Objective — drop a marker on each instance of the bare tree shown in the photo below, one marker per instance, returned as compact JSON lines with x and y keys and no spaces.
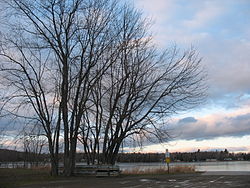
{"x":56,"y":53}
{"x":33,"y":143}
{"x":26,"y":71}
{"x":90,"y":67}
{"x":139,"y":92}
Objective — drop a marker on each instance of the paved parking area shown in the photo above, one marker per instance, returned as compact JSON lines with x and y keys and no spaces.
{"x":154,"y":181}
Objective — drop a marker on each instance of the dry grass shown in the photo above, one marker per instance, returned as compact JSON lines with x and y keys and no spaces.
{"x":44,"y":168}
{"x":160,"y":170}
{"x":15,"y":177}
{"x":182,"y":169}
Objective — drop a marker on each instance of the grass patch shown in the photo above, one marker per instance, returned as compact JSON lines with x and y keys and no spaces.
{"x":160,"y":170}
{"x":19,"y":176}
{"x":15,"y":177}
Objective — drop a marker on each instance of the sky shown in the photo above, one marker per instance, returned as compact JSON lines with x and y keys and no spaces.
{"x":220,"y":31}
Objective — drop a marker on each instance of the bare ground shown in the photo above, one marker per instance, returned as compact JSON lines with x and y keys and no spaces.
{"x":196,"y":180}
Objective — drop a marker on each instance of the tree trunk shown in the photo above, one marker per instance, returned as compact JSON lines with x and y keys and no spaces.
{"x":73,"y":155}
{"x":67,"y":166}
{"x":54,"y":166}
{"x":69,"y":160}
{"x":115,"y":153}
{"x":53,"y":158}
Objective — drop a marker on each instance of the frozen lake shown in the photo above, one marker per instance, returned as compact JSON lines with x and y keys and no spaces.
{"x":199,"y":166}
{"x":243,"y":166}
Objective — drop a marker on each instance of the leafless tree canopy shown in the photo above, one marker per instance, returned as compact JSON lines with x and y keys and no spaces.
{"x":89,"y":71}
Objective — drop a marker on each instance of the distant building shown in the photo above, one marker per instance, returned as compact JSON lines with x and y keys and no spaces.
{"x":211,"y":160}
{"x":240,"y":159}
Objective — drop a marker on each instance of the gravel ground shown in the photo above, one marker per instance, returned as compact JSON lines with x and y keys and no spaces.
{"x":198,"y":180}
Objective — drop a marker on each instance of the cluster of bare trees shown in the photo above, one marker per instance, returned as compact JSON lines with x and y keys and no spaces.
{"x":88,"y":71}
{"x":33,"y":144}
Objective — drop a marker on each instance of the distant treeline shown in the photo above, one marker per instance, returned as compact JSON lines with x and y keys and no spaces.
{"x":208,"y":156}
{"x":13,"y":156}
{"x":183,"y":156}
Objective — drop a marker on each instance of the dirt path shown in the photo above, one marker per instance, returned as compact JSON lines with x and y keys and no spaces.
{"x":153,"y":181}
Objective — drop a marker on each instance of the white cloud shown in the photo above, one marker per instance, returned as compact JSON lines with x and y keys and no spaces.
{"x":228,"y":65}
{"x":220,"y":31}
{"x":218,"y":124}
{"x":229,"y":143}
{"x":160,"y":10}
{"x":206,"y":13}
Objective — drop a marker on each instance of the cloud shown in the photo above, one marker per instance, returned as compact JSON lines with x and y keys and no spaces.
{"x":188,"y":120}
{"x":212,"y":126}
{"x":160,"y":10}
{"x":205,"y":13}
{"x":219,"y":30}
{"x":219,"y":144}
{"x":228,"y":65}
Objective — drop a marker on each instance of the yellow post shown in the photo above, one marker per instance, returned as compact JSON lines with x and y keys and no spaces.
{"x":167,"y":156}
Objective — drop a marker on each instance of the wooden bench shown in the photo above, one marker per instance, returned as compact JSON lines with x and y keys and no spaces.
{"x":95,"y":170}
{"x":107,"y":170}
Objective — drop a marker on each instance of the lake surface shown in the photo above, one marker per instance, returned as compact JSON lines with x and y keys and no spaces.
{"x":199,"y":166}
